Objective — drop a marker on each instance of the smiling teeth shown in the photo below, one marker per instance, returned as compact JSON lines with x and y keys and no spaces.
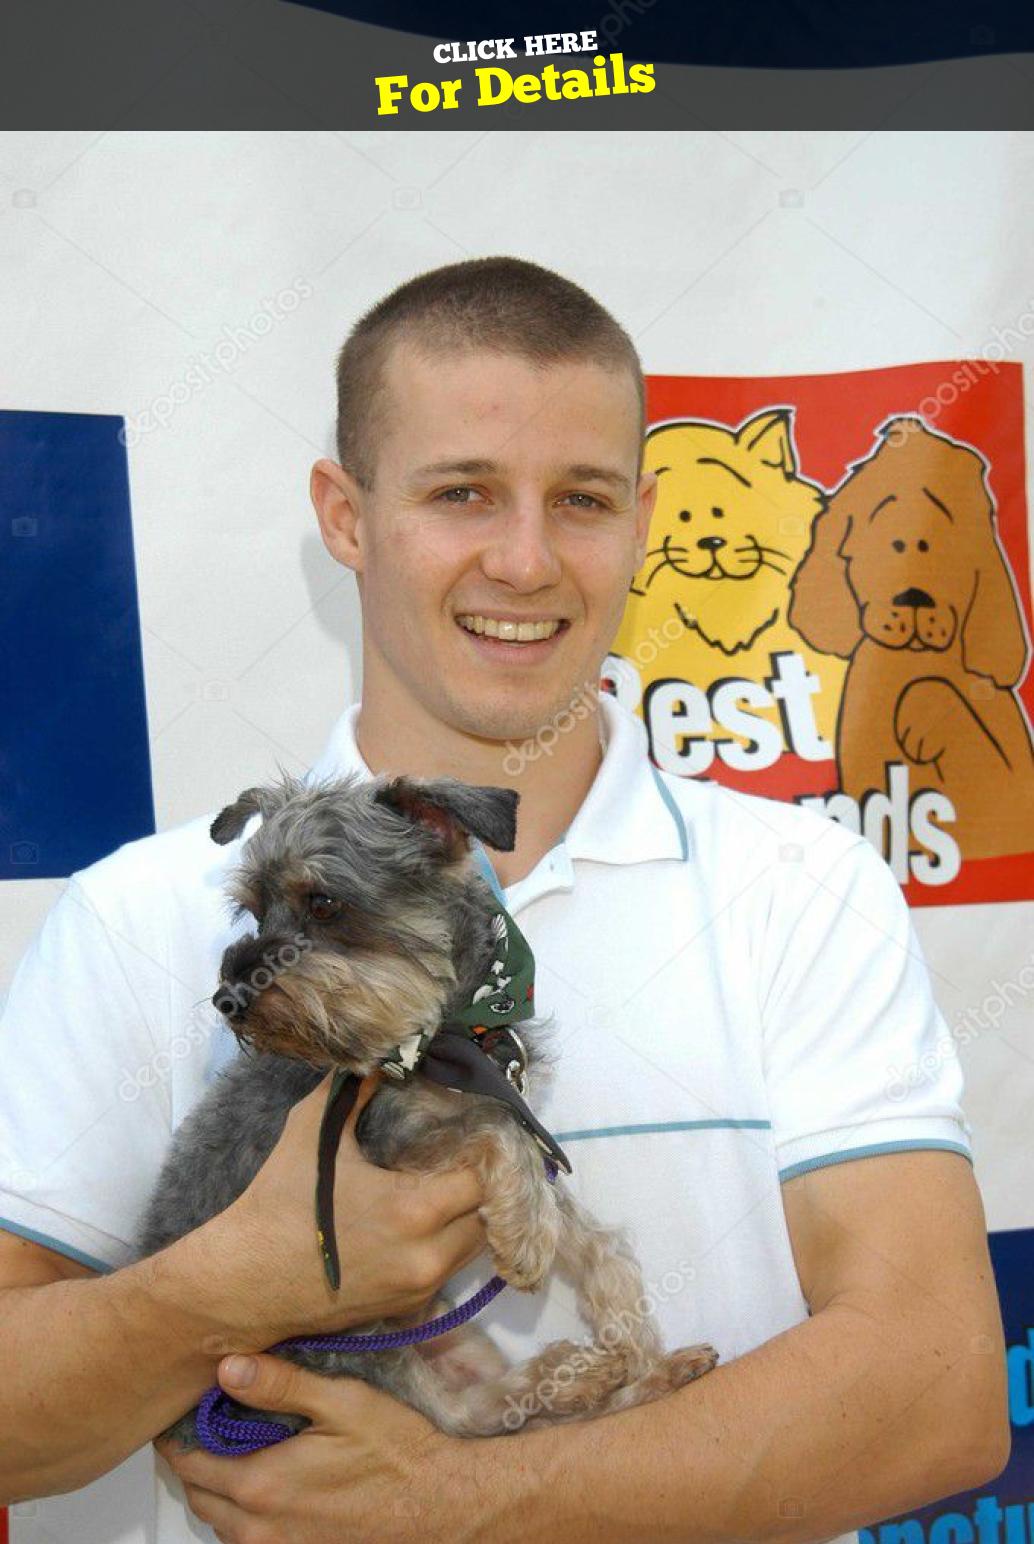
{"x":511,"y":632}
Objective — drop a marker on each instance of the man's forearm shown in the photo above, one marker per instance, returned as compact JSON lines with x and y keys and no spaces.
{"x":94,"y":1368}
{"x":831,"y":1425}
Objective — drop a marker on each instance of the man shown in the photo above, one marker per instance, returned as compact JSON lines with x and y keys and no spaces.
{"x":734,"y":982}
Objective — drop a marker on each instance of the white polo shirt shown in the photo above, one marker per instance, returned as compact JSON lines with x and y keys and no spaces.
{"x":739,"y":996}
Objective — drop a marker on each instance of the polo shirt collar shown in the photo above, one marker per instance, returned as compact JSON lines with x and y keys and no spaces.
{"x":628,"y":815}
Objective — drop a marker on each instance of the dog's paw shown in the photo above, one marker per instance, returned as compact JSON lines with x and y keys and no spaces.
{"x":526,"y":1270}
{"x":688,"y":1363}
{"x":923,"y":720}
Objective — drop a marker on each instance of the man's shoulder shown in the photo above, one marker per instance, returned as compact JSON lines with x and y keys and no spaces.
{"x":728,"y":826}
{"x":179,"y":868}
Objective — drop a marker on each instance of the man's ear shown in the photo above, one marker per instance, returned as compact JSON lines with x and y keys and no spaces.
{"x":452,"y":809}
{"x":336,"y":498}
{"x":646,"y":502}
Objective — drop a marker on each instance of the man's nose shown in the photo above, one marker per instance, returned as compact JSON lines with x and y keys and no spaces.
{"x":522,"y":553}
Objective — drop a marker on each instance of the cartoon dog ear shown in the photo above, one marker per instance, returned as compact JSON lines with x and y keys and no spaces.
{"x":994,"y":640}
{"x":451,"y":809}
{"x":823,"y":608}
{"x":230,"y":822}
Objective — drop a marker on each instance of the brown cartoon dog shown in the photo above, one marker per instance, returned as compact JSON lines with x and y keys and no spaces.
{"x":905,"y":578}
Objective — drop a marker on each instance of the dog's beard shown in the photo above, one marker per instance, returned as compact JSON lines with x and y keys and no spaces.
{"x":334,"y":1010}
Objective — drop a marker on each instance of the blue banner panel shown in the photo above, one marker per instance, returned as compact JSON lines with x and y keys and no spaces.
{"x":75,"y":768}
{"x":767,"y":34}
{"x":1003,"y":1511}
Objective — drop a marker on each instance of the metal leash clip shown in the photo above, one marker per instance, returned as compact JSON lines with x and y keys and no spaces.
{"x":517,"y":1069}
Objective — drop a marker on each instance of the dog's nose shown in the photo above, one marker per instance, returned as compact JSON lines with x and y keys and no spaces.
{"x":712,"y":542}
{"x":912,"y":597}
{"x":224,"y":1001}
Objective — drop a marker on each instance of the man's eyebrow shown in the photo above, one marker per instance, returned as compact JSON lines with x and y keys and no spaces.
{"x":469,"y":468}
{"x":474,"y":466}
{"x":584,"y":472}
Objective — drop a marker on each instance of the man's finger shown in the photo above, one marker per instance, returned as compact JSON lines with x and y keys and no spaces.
{"x":273,"y":1383}
{"x":462,"y":1240}
{"x":452,"y":1195}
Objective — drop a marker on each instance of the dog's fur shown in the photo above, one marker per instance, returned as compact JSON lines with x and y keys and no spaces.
{"x":411,"y":943}
{"x":905,"y":578}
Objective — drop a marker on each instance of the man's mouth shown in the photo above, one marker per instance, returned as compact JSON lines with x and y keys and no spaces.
{"x":525,"y":632}
{"x":511,"y":636}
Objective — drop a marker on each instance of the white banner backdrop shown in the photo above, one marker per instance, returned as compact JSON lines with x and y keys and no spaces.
{"x":199,"y":285}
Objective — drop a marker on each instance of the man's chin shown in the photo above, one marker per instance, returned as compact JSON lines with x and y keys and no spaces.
{"x":528,"y":714}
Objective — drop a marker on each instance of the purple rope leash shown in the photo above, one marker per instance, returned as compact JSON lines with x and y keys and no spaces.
{"x":226,"y":1435}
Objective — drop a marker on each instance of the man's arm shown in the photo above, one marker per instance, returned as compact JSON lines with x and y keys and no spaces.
{"x":95,"y":1366}
{"x":891,"y":1395}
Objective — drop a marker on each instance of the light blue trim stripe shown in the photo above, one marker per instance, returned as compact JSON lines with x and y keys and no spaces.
{"x":485,"y":865}
{"x":488,"y":871}
{"x":673,"y":810}
{"x":651,"y":1127}
{"x":54,"y":1243}
{"x":867,"y":1152}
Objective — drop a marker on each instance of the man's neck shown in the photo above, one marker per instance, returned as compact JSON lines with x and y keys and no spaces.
{"x":552,"y":786}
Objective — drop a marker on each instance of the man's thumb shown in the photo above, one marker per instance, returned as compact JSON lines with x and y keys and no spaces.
{"x":273,"y":1383}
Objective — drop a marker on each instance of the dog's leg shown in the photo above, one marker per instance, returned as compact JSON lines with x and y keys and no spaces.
{"x":520,"y":1211}
{"x":613,"y":1299}
{"x":565,"y":1381}
{"x":524,"y":1217}
{"x":609,"y":1283}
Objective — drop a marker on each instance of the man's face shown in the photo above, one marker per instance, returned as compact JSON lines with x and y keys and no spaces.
{"x":503,"y":492}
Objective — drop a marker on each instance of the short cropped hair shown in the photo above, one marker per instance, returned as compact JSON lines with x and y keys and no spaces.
{"x":498,"y":303}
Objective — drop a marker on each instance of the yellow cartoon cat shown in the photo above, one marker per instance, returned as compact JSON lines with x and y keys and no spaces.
{"x":704,"y":634}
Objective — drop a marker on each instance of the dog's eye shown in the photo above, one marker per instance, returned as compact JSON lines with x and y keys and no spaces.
{"x":899,"y":546}
{"x":323,"y":907}
{"x":684,"y":514}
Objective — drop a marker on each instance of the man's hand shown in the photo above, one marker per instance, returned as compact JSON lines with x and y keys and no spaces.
{"x":401,"y":1236}
{"x":369,"y":1467}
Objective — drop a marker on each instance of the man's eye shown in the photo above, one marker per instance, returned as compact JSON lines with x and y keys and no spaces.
{"x":447,"y":495}
{"x":590,"y":501}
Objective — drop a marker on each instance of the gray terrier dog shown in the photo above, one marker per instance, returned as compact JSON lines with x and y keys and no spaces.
{"x":367,"y":897}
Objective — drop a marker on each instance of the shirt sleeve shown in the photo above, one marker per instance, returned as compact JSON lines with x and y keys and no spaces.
{"x":84,"y":1099}
{"x":858,"y":1059}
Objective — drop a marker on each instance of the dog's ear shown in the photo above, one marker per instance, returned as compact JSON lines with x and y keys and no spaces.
{"x":230,"y":822}
{"x":452,"y":809}
{"x":994,"y":641}
{"x":823,"y":608}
